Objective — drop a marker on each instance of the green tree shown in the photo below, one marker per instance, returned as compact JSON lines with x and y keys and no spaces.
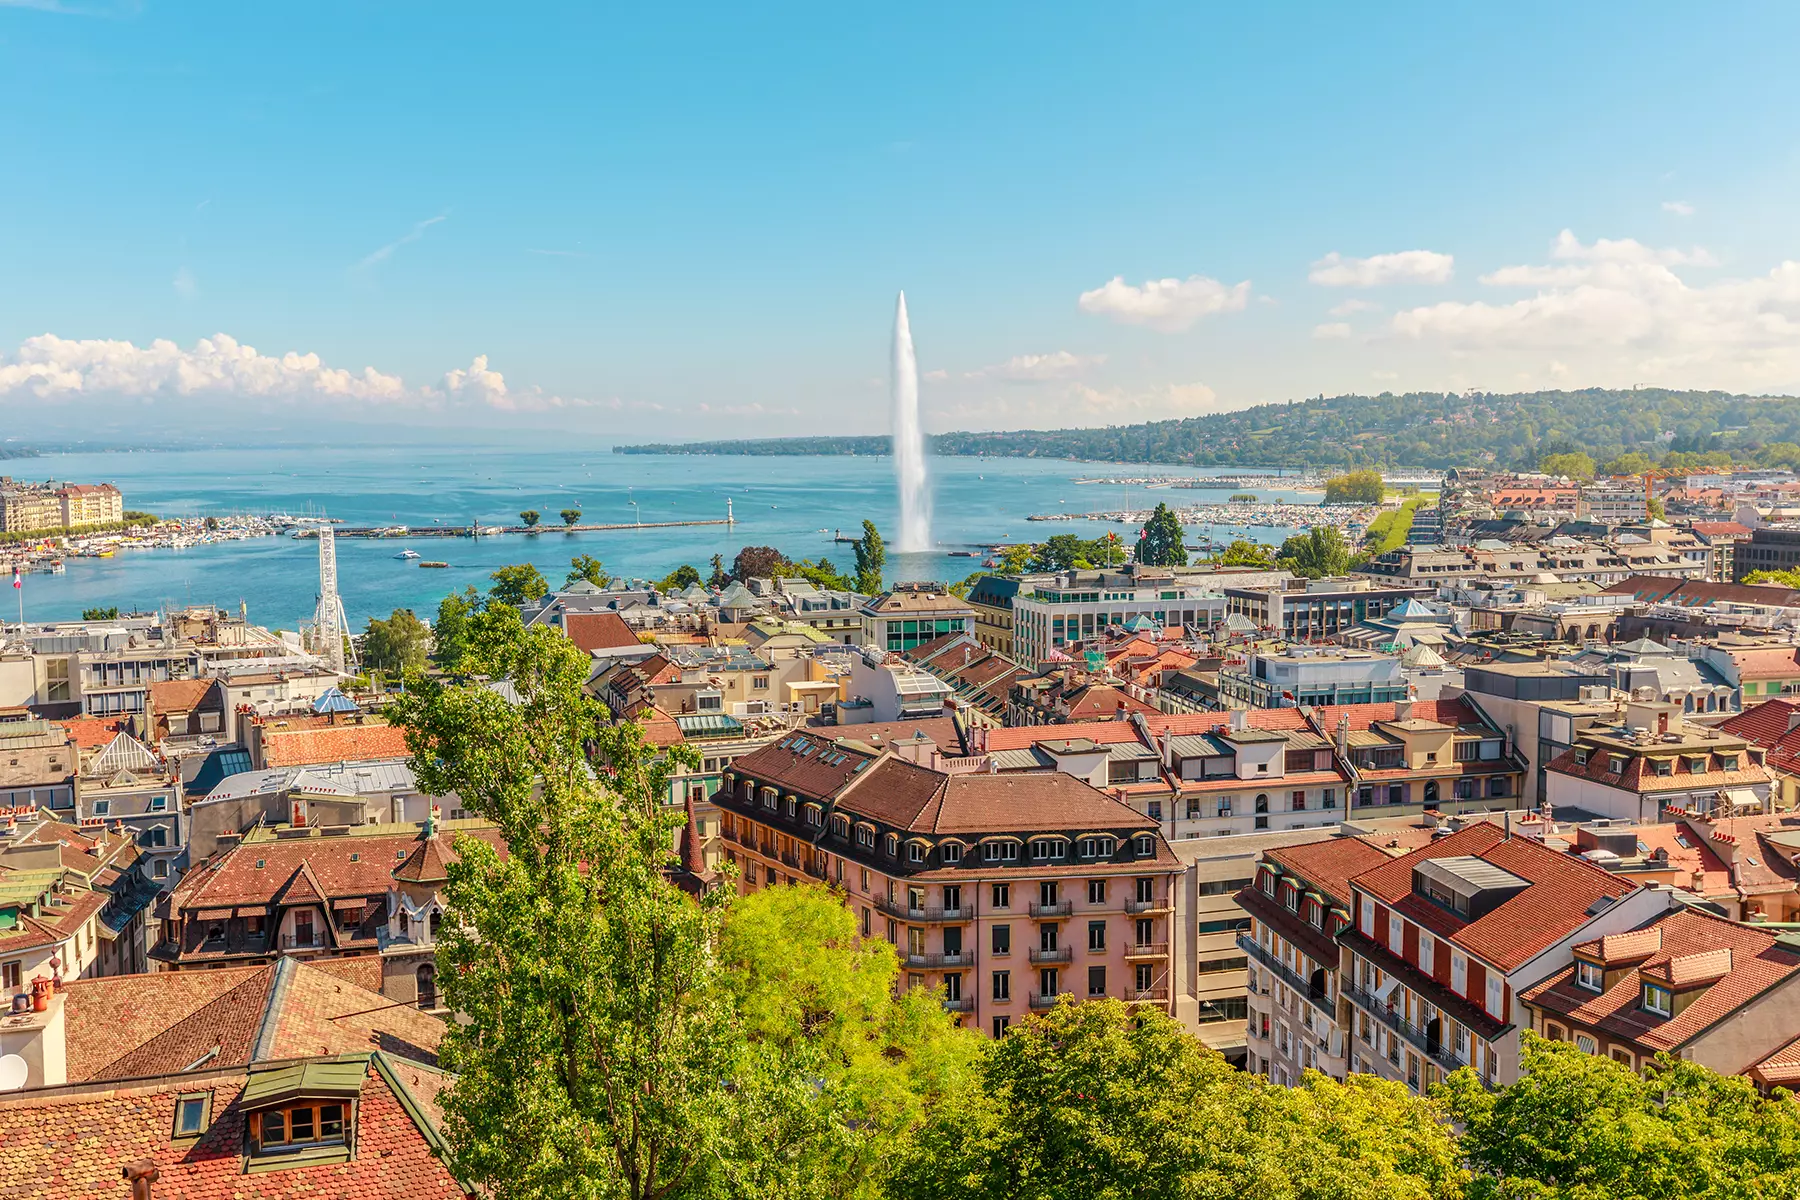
{"x":1576,"y":465}
{"x":586,"y":566}
{"x":593,"y":1051}
{"x":396,"y":645}
{"x":820,"y":574}
{"x":1581,"y":1127}
{"x":871,"y":557}
{"x":1162,"y":543}
{"x":570,"y":515}
{"x":719,"y":577}
{"x":109,"y":613}
{"x":1243,"y":553}
{"x":820,"y":1005}
{"x":450,"y":632}
{"x":1318,"y":553}
{"x":518,"y":585}
{"x":1100,"y":1100}
{"x":679,"y":579}
{"x":530,"y":516}
{"x":212,"y":522}
{"x":1632,"y":462}
{"x":1775,"y":454}
{"x":1016,"y":560}
{"x":1786,"y":579}
{"x":1355,"y":487}
{"x":1059,"y":553}
{"x":1656,"y":508}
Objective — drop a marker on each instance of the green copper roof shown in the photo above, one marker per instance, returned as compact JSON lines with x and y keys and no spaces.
{"x":319,"y":1077}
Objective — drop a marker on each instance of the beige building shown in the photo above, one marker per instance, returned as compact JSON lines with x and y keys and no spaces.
{"x":89,"y":504}
{"x":28,"y":509}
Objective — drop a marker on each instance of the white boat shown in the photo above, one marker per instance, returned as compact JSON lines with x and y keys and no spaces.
{"x":407,"y":554}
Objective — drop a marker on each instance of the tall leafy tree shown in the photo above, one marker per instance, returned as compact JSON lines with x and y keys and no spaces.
{"x":531,"y":517}
{"x":1244,"y":553}
{"x":720,"y":576}
{"x":1581,"y":1127}
{"x":570,"y":515}
{"x":396,"y":645}
{"x":1162,"y":543}
{"x":1355,"y":487}
{"x":757,"y":562}
{"x":681,"y":577}
{"x":871,"y":557}
{"x":1575,"y":464}
{"x":450,"y":631}
{"x":518,"y":584}
{"x":1099,"y":1100}
{"x":1318,"y":553}
{"x":587,"y":567}
{"x":593,"y":1050}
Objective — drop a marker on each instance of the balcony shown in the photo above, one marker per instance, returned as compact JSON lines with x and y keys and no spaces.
{"x":1316,"y":997}
{"x":816,"y":868}
{"x":291,"y":941}
{"x":899,"y":908}
{"x":1051,"y":957}
{"x":1062,"y":908}
{"x":1147,"y":950}
{"x":961,"y":1005}
{"x":1427,"y":1043}
{"x":1044,"y":1000}
{"x":1151,"y":995}
{"x":965,"y":958}
{"x":1138,"y":907}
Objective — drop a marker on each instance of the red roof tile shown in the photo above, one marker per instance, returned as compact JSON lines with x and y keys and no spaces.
{"x":1330,"y":865}
{"x":598,"y":631}
{"x":332,"y":744}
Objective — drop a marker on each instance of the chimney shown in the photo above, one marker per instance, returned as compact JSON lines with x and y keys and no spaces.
{"x":140,"y":1175}
{"x":1343,"y":735}
{"x":1119,"y":713}
{"x":1403,"y":709}
{"x":39,"y":1035}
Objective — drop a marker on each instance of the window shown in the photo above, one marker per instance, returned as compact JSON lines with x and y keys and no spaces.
{"x":1000,"y":1024}
{"x":1621,"y":1055}
{"x":952,"y":852}
{"x":1146,"y":891}
{"x":1002,"y":939}
{"x":1459,"y":973}
{"x":1589,"y":976}
{"x":915,"y":853}
{"x":1096,"y":891}
{"x":1049,"y":848}
{"x":1227,"y":925}
{"x":1224,"y":887}
{"x":1096,"y":935}
{"x":893,"y":845}
{"x":191,"y":1115}
{"x":1427,"y":953}
{"x":1585,"y":1044}
{"x":1144,"y":845}
{"x":1299,"y":802}
{"x":11,"y":974}
{"x":1496,"y":996}
{"x":1003,"y":985}
{"x":1657,"y":1000}
{"x":102,"y":807}
{"x":304,"y":1124}
{"x":865,"y":837}
{"x":1396,"y":934}
{"x":1096,"y":981}
{"x":159,"y":803}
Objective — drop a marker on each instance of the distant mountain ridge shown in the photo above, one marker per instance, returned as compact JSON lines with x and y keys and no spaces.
{"x":1418,"y":429}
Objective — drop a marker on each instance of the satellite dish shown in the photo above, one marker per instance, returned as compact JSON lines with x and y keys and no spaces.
{"x":13,"y":1072}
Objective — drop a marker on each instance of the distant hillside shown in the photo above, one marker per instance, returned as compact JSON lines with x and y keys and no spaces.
{"x":1419,"y":429}
{"x":8,"y":450}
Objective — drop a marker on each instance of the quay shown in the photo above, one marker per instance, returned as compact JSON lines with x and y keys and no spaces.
{"x":429,"y":531}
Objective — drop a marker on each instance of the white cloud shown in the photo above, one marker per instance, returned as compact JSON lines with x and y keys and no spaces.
{"x":51,"y":368}
{"x":1680,"y":208}
{"x":757,"y":409}
{"x":385,"y":252}
{"x":1169,"y":305}
{"x":1039,"y":368}
{"x":1336,"y":330}
{"x":1619,"y":309}
{"x":1404,"y":266}
{"x":184,"y":283}
{"x":1353,"y":306}
{"x":932,"y":376}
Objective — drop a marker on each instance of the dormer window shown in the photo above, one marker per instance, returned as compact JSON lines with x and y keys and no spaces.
{"x":301,"y":1125}
{"x":915,"y":853}
{"x":892,"y":845}
{"x":1728,"y":762}
{"x":1589,"y":976}
{"x":1144,"y":846}
{"x":1098,"y":847}
{"x":1049,"y":848}
{"x":192,"y":1115}
{"x":1615,"y":764}
{"x":1581,"y":756}
{"x":1658,"y":1000}
{"x":952,"y":852}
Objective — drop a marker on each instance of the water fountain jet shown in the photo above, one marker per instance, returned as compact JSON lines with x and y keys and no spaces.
{"x":909,"y":442}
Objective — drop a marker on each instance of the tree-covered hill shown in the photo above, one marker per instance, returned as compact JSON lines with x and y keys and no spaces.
{"x":1419,"y":429}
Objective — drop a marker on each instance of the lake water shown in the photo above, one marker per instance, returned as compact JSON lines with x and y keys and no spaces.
{"x":794,"y":504}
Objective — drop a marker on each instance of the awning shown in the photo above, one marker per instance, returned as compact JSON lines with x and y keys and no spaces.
{"x":1387,"y":988}
{"x":1739,"y":798}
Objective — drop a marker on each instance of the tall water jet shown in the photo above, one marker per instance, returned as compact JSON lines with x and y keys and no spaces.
{"x":909,"y":441}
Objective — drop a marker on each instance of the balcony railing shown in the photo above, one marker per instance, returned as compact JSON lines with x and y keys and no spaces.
{"x":290,"y":941}
{"x":906,"y":912}
{"x":791,"y":859}
{"x":1317,"y":997}
{"x":1151,"y":995}
{"x":961,"y":1005}
{"x":1062,"y":908}
{"x":1043,"y":1000}
{"x":1430,"y":1046}
{"x":1147,"y":950}
{"x":965,"y":958}
{"x":1062,"y":955}
{"x":1135,"y":907}
{"x":816,"y":868}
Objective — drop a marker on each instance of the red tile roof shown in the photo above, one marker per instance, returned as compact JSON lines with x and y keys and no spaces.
{"x":332,"y":744}
{"x":92,"y":733}
{"x":72,"y":1142}
{"x":804,"y":763}
{"x":179,"y":695}
{"x":1330,"y":865}
{"x":1766,"y":662}
{"x":351,"y":866}
{"x":1101,"y":733}
{"x":1563,"y":887}
{"x":941,"y":730}
{"x":598,"y":631}
{"x":1282,"y":720}
{"x":1693,"y":946}
{"x":1454,"y":713}
{"x":1102,"y":699}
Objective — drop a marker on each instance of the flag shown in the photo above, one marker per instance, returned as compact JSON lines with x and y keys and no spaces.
{"x":18,"y":579}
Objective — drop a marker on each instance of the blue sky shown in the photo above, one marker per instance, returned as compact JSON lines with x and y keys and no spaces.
{"x":691,"y":221}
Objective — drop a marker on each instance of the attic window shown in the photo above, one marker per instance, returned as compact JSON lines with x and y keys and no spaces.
{"x":1615,"y":764}
{"x":1581,"y":756}
{"x":260,"y":863}
{"x":397,"y":854}
{"x":952,"y":852}
{"x":1589,"y":976}
{"x":1657,"y":1000}
{"x":355,"y":857}
{"x":192,"y":1115}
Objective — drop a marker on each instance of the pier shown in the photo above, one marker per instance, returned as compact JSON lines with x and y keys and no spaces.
{"x":448,"y":531}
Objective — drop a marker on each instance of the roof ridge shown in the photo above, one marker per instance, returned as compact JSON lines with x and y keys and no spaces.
{"x":264,"y":1046}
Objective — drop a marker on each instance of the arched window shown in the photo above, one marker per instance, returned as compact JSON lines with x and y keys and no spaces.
{"x":437,"y":919}
{"x":1431,"y":791}
{"x":427,"y":980}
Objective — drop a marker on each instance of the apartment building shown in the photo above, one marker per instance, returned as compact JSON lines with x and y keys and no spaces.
{"x":992,"y":599}
{"x":1447,"y":937}
{"x":1541,"y":706}
{"x":28,"y":508}
{"x":1313,"y":676}
{"x":1687,"y":983}
{"x":38,"y":766}
{"x":80,"y":504}
{"x":1323,"y":609}
{"x":71,"y":902}
{"x":1649,"y":760}
{"x":320,"y":892}
{"x":1612,"y":503}
{"x":1768,"y":549}
{"x":1008,"y":892}
{"x":909,"y":614}
{"x":1299,"y":901}
{"x":1052,"y":613}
